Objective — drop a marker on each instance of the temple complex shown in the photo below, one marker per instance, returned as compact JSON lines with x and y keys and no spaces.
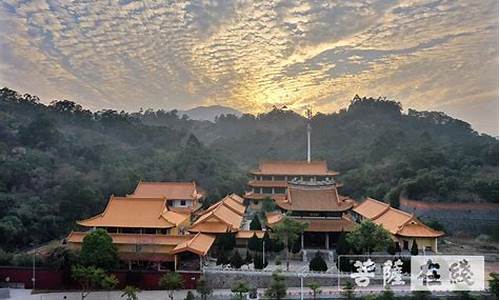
{"x":162,"y":225}
{"x":404,"y":227}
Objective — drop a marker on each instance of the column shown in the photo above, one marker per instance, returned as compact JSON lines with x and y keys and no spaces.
{"x":302,"y":241}
{"x":175,"y":262}
{"x":327,"y":241}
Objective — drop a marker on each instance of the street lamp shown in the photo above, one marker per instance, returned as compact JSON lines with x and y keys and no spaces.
{"x":302,"y":275}
{"x":264,"y":248}
{"x":34,"y":269}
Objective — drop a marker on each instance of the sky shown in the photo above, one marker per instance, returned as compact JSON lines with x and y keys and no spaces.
{"x":429,"y":55}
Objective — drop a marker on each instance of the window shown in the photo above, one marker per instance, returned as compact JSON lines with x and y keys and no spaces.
{"x":279,"y":178}
{"x":267,"y":190}
{"x":279,"y":190}
{"x":183,"y":202}
{"x":405,"y":245}
{"x":267,"y":178}
{"x":149,"y":230}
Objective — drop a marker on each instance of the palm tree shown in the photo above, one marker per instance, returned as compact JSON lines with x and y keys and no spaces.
{"x":130,"y":293}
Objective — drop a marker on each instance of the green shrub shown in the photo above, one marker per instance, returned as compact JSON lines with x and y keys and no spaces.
{"x":318,"y":263}
{"x":236,"y":261}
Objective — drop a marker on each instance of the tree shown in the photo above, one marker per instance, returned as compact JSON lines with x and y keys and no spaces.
{"x":255,"y":224}
{"x":203,"y":288}
{"x":277,"y":289}
{"x":221,"y":258}
{"x":296,"y":247}
{"x":226,"y":241}
{"x":348,"y":290}
{"x":171,"y":282}
{"x":391,"y":249}
{"x":248,"y":258}
{"x":288,"y":231}
{"x":236,"y":260}
{"x":268,"y":205}
{"x":315,"y":289}
{"x":98,"y":250}
{"x":189,"y":296}
{"x":414,"y":248}
{"x":493,"y":283}
{"x":278,"y":245}
{"x":393,"y":197}
{"x":369,"y":237}
{"x":254,"y":243}
{"x":41,"y":133}
{"x":342,"y":246}
{"x":62,"y":258}
{"x":318,"y":263}
{"x":240,"y":288}
{"x":92,"y":278}
{"x":130,"y":293}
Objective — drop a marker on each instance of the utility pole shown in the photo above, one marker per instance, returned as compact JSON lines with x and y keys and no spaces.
{"x":34,"y":269}
{"x":309,"y":117}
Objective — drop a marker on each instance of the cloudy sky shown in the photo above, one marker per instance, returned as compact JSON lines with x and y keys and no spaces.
{"x":430,"y":55}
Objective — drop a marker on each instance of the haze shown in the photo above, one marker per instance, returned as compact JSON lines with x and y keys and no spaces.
{"x":251,"y":55}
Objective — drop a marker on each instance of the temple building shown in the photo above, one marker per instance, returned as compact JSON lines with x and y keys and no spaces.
{"x":181,"y":196}
{"x":271,"y":178}
{"x":404,"y":227}
{"x":317,"y":203}
{"x":149,"y":230}
{"x":222,"y":217}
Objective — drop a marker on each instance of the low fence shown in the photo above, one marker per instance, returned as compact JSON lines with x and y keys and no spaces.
{"x":49,"y":279}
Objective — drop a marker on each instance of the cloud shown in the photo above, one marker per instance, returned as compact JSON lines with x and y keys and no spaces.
{"x":128,"y":54}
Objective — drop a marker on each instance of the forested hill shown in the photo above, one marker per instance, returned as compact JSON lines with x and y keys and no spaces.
{"x":60,"y":162}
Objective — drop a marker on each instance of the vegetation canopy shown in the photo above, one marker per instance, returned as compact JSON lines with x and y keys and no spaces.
{"x":61,"y":162}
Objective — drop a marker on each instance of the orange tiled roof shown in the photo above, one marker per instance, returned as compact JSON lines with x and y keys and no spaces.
{"x":237,"y":198}
{"x":199,"y":244}
{"x":247,"y":234}
{"x":329,"y":225}
{"x":392,"y":219}
{"x":133,"y":212}
{"x":273,"y":217}
{"x":310,"y":198}
{"x":371,"y":208}
{"x":229,"y":202}
{"x":414,"y":228}
{"x":395,"y":221}
{"x":293,"y":168}
{"x":169,"y":190}
{"x":134,"y":239}
{"x":211,"y":227}
{"x":227,"y":211}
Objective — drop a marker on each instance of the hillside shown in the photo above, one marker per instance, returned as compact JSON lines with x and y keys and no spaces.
{"x":60,"y":162}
